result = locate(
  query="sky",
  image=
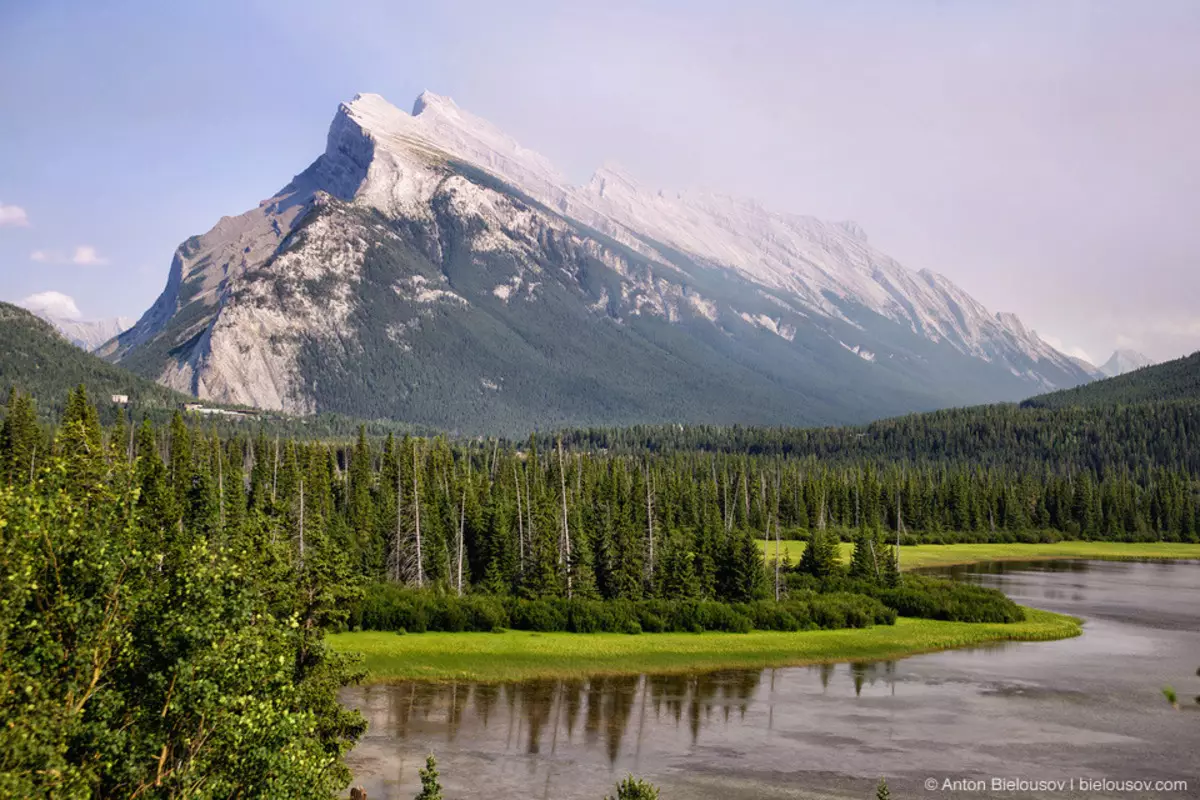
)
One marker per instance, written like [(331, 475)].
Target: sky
[(1045, 156)]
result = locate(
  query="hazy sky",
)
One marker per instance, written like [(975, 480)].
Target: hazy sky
[(1043, 155)]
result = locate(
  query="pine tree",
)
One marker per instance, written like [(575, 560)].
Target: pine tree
[(821, 556), (19, 440), (862, 562), (156, 501), (634, 789), (430, 788), (80, 441)]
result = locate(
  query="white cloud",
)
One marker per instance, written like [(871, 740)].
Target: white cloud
[(13, 217), (84, 255), (1071, 350), (54, 304)]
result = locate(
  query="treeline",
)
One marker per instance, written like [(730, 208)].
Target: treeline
[(546, 520), (1104, 440)]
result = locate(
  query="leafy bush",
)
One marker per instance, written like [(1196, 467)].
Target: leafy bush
[(391, 607), (539, 615), (916, 596), (934, 598)]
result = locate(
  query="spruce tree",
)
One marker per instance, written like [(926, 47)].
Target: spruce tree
[(20, 440), (430, 788), (862, 562), (634, 789)]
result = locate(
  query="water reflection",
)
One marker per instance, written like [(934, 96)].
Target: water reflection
[(535, 715), (1086, 705)]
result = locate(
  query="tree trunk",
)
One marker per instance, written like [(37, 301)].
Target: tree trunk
[(564, 553)]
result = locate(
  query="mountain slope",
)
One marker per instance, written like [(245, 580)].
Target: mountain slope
[(428, 268), (38, 360), (1171, 381), (1123, 361)]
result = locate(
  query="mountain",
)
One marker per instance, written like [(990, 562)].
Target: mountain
[(429, 268), (89, 334), (1170, 382), (1123, 361), (38, 359)]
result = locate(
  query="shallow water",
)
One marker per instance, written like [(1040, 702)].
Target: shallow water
[(1088, 707)]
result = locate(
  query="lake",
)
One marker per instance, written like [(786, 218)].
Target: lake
[(1083, 708)]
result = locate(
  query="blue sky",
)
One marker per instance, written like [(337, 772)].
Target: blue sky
[(1045, 156)]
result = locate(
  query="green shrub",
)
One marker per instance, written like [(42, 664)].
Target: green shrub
[(539, 615)]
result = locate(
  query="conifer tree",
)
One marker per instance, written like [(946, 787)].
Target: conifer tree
[(430, 788), (632, 788), (19, 440)]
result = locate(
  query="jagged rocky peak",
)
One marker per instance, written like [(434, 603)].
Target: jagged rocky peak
[(426, 99), (254, 314)]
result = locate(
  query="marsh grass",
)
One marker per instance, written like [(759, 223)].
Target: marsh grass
[(520, 655), (947, 555)]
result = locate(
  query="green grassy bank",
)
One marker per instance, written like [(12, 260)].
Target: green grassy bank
[(518, 655), (944, 555)]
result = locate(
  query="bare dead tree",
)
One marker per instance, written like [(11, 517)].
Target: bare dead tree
[(564, 551)]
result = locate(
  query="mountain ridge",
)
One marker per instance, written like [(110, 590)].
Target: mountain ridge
[(433, 235)]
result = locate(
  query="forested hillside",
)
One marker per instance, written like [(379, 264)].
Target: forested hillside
[(35, 358), (1106, 441), (1174, 381)]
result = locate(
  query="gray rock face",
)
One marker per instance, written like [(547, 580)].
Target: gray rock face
[(427, 267)]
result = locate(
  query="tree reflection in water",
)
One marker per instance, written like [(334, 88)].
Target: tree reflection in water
[(534, 717)]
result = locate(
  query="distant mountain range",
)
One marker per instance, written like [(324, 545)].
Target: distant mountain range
[(89, 334), (429, 268), (1175, 381)]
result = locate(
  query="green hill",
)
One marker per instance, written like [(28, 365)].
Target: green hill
[(1174, 381), (36, 359)]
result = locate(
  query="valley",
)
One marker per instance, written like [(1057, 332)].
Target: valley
[(359, 448)]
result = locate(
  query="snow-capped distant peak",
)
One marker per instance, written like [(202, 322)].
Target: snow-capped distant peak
[(1123, 361)]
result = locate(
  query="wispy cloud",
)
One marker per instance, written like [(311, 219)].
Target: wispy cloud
[(13, 217), (1071, 350), (54, 304), (84, 255)]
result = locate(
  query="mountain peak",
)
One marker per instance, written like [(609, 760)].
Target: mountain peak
[(428, 99), (610, 265), (1123, 361)]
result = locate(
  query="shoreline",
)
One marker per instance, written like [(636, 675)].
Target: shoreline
[(925, 556), (525, 655)]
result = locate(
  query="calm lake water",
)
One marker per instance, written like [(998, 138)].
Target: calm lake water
[(1088, 707)]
